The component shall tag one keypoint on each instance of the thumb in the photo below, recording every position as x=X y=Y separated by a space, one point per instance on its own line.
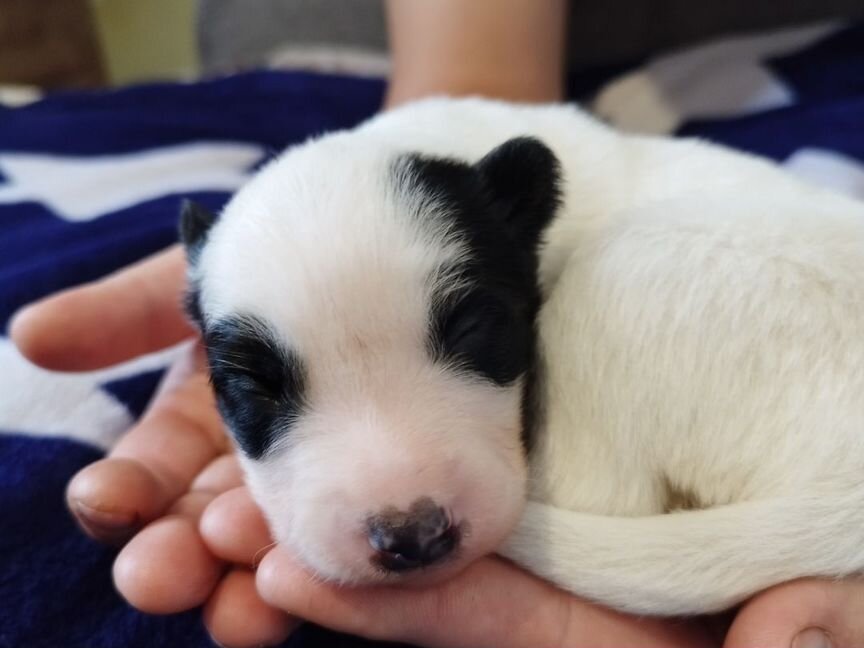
x=802 y=614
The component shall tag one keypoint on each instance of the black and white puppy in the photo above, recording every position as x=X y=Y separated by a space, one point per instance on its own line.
x=395 y=314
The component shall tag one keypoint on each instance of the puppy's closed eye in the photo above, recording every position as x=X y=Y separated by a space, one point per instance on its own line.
x=245 y=355
x=259 y=383
x=483 y=334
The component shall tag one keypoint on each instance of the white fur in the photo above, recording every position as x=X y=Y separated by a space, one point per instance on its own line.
x=702 y=332
x=709 y=344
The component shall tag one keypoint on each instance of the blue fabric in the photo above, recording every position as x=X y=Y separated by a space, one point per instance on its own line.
x=273 y=109
x=135 y=391
x=55 y=586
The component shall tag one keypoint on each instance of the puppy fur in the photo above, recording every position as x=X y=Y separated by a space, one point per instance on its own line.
x=369 y=303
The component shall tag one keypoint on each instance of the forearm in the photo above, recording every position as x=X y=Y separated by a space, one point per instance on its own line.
x=508 y=49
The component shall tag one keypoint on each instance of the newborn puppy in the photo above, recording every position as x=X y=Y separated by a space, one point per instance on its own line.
x=396 y=315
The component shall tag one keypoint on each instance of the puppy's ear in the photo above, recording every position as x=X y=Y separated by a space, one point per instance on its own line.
x=195 y=223
x=192 y=305
x=523 y=177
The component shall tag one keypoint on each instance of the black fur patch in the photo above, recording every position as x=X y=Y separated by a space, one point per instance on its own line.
x=194 y=226
x=259 y=384
x=195 y=223
x=501 y=206
x=192 y=305
x=484 y=332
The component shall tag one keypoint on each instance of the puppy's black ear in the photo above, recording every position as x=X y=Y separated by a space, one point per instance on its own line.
x=523 y=177
x=195 y=222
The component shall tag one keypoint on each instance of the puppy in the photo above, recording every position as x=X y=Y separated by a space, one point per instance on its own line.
x=417 y=326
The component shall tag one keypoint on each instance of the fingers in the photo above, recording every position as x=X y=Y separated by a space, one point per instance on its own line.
x=283 y=583
x=234 y=528
x=156 y=462
x=113 y=498
x=182 y=431
x=236 y=617
x=802 y=614
x=167 y=568
x=221 y=475
x=179 y=445
x=491 y=603
x=129 y=313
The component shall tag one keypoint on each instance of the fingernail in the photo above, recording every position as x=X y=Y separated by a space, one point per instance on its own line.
x=109 y=527
x=812 y=638
x=104 y=519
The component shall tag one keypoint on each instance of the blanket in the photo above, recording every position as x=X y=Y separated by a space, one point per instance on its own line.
x=90 y=182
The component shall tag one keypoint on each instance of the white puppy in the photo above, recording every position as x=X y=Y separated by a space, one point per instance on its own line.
x=693 y=404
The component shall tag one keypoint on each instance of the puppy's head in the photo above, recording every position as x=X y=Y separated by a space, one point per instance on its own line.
x=369 y=323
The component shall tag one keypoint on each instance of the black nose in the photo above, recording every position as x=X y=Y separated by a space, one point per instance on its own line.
x=408 y=540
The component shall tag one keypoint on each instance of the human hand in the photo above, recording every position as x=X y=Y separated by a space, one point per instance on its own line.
x=156 y=483
x=808 y=613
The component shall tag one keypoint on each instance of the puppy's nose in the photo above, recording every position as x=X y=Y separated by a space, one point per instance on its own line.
x=411 y=539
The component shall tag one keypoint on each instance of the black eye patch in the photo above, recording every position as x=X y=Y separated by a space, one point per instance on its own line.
x=259 y=384
x=482 y=334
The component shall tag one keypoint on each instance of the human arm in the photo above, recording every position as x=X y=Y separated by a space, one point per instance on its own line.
x=507 y=49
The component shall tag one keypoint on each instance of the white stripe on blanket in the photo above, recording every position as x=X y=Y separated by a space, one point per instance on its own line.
x=47 y=403
x=829 y=169
x=84 y=188
x=723 y=78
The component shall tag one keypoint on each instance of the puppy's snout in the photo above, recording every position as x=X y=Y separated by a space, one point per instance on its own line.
x=411 y=539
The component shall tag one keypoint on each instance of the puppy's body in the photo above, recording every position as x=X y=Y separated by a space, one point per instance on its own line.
x=699 y=348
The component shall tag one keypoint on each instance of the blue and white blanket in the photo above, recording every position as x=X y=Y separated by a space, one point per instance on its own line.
x=91 y=182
